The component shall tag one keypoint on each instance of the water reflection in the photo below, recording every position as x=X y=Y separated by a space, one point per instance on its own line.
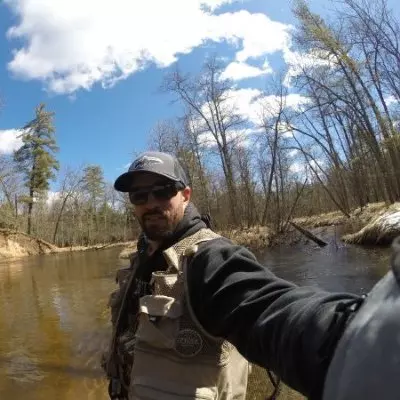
x=53 y=325
x=336 y=267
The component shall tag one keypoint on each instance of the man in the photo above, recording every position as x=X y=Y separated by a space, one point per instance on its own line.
x=189 y=290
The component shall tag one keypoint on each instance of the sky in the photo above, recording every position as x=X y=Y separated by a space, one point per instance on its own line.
x=99 y=64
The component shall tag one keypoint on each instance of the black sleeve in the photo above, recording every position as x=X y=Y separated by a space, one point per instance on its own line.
x=289 y=329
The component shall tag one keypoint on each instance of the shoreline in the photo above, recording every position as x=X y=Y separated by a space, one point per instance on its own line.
x=376 y=224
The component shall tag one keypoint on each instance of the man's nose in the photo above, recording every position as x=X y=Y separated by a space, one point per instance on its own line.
x=151 y=200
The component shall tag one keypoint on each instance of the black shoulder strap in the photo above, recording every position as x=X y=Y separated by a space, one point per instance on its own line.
x=122 y=311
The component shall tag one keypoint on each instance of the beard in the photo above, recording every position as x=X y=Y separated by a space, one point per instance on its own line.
x=158 y=225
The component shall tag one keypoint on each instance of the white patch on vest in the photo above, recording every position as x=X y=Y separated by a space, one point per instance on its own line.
x=188 y=343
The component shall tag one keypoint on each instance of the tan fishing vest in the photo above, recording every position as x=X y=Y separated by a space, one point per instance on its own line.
x=174 y=357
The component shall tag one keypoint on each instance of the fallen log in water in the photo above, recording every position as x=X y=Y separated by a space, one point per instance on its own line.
x=308 y=234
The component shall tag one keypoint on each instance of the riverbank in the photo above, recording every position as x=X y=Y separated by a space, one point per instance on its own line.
x=376 y=224
x=18 y=244
x=358 y=216
x=15 y=244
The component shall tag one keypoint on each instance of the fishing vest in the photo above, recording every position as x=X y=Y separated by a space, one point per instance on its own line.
x=173 y=355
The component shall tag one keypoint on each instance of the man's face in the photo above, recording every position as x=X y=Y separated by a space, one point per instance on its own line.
x=158 y=217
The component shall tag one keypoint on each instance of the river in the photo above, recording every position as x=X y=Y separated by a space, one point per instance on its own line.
x=335 y=267
x=54 y=320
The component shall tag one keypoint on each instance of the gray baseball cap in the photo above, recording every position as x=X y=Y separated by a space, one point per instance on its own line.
x=163 y=164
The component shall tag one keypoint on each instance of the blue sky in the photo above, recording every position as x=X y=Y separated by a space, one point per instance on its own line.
x=83 y=57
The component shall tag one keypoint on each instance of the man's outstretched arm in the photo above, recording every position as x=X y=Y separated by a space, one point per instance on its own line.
x=289 y=329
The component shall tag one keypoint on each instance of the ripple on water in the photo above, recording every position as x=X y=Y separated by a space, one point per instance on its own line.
x=22 y=367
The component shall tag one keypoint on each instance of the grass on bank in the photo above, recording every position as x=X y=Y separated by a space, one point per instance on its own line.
x=260 y=387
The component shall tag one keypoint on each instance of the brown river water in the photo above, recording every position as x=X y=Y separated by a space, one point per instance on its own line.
x=54 y=319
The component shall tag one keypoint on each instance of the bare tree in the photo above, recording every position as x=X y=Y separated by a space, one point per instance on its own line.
x=248 y=187
x=70 y=184
x=209 y=99
x=346 y=84
x=10 y=190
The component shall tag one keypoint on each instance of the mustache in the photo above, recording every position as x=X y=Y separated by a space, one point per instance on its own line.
x=155 y=212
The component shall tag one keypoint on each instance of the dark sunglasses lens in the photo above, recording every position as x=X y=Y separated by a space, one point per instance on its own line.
x=138 y=198
x=165 y=192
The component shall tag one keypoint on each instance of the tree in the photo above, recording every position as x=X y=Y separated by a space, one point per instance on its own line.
x=180 y=138
x=70 y=184
x=352 y=58
x=35 y=159
x=94 y=186
x=209 y=99
x=10 y=188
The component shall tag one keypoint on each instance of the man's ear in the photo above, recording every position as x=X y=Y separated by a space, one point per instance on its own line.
x=187 y=193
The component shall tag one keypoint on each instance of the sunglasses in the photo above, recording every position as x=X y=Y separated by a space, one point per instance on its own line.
x=160 y=192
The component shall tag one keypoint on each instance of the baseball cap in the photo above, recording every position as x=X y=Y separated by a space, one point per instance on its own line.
x=156 y=162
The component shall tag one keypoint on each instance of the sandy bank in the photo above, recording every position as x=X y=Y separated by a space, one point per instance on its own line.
x=15 y=244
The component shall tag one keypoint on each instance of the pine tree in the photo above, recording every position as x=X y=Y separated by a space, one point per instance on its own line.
x=35 y=159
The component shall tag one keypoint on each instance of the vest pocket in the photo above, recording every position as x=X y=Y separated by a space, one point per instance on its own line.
x=164 y=367
x=151 y=389
x=159 y=321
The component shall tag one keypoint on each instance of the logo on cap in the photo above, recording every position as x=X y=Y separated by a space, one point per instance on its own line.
x=145 y=161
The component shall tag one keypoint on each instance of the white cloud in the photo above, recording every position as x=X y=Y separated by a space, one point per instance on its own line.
x=212 y=5
x=271 y=104
x=297 y=62
x=241 y=70
x=297 y=168
x=285 y=130
x=318 y=164
x=243 y=102
x=207 y=140
x=52 y=197
x=240 y=136
x=260 y=35
x=9 y=140
x=303 y=168
x=240 y=101
x=247 y=103
x=296 y=101
x=391 y=100
x=71 y=44
x=252 y=106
